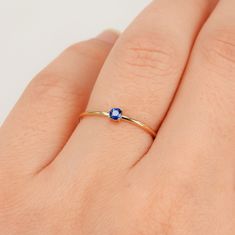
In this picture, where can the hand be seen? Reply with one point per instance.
(97, 177)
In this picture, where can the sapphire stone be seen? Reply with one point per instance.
(115, 114)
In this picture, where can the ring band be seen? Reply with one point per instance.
(115, 114)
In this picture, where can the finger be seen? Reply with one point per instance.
(43, 119)
(140, 76)
(200, 128)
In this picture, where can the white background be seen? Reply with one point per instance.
(33, 32)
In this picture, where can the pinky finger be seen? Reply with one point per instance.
(48, 111)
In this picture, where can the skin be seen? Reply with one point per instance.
(174, 69)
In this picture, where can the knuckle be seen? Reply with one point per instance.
(60, 84)
(147, 56)
(52, 86)
(218, 48)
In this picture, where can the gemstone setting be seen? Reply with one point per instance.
(115, 114)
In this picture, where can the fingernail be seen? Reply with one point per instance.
(109, 36)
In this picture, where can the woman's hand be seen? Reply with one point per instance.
(97, 177)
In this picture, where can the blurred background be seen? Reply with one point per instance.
(33, 32)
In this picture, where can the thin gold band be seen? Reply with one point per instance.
(124, 118)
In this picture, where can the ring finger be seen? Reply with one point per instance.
(141, 77)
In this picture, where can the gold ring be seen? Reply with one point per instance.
(115, 114)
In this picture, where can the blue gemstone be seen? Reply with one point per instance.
(115, 114)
